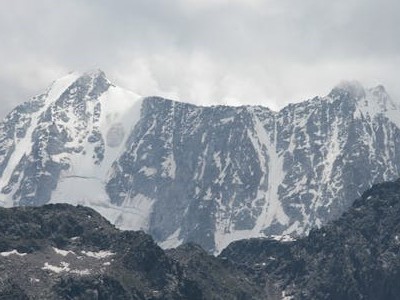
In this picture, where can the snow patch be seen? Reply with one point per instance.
(285, 296)
(172, 241)
(13, 252)
(98, 255)
(148, 172)
(208, 195)
(63, 252)
(64, 267)
(283, 238)
(227, 120)
(81, 272)
(274, 175)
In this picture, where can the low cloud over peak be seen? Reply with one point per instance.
(223, 52)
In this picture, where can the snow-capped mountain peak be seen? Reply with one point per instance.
(189, 173)
(76, 129)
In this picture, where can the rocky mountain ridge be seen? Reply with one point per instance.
(59, 251)
(185, 173)
(65, 252)
(354, 257)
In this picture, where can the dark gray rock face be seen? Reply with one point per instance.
(224, 173)
(206, 170)
(354, 257)
(65, 252)
(209, 175)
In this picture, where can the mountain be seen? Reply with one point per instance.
(58, 251)
(186, 173)
(354, 257)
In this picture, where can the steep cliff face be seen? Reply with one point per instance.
(210, 175)
(217, 174)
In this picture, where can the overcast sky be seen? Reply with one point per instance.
(268, 52)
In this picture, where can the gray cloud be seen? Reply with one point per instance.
(268, 52)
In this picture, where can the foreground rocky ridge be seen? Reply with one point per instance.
(186, 173)
(355, 257)
(65, 252)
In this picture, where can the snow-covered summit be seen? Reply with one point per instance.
(76, 129)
